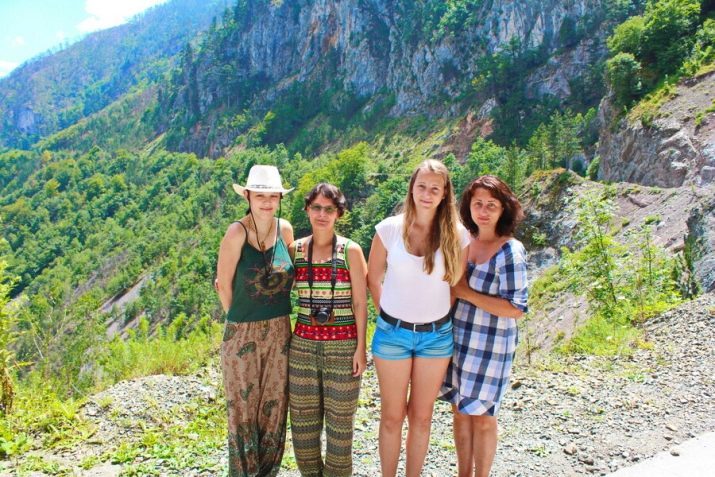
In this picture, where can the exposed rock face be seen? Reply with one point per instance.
(702, 228)
(550, 204)
(377, 47)
(678, 148)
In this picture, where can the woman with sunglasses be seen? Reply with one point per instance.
(254, 279)
(327, 351)
(418, 254)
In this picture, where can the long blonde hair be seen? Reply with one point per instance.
(444, 226)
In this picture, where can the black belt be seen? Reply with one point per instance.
(432, 326)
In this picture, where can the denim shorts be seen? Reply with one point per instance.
(395, 342)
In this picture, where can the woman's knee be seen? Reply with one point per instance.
(392, 420)
(484, 424)
(420, 419)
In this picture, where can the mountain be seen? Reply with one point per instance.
(117, 189)
(672, 146)
(339, 60)
(55, 90)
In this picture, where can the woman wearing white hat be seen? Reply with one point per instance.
(254, 279)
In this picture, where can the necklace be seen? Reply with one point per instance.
(267, 263)
(261, 243)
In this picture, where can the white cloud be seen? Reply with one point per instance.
(18, 41)
(6, 67)
(60, 35)
(104, 14)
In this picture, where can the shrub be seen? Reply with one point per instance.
(623, 72)
(627, 36)
(593, 168)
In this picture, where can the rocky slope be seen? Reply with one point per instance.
(562, 417)
(670, 146)
(674, 215)
(365, 52)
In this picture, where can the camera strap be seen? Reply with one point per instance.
(333, 274)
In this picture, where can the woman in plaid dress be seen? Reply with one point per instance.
(491, 296)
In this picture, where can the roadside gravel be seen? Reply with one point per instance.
(568, 416)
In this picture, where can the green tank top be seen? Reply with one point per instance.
(255, 296)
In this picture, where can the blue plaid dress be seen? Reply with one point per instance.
(484, 344)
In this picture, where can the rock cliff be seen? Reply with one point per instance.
(374, 48)
(670, 147)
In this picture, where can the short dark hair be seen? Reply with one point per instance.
(512, 212)
(329, 191)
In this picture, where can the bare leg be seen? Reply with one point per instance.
(463, 437)
(427, 378)
(393, 376)
(485, 443)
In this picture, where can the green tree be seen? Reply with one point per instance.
(485, 157)
(8, 337)
(667, 35)
(627, 37)
(597, 265)
(513, 169)
(624, 75)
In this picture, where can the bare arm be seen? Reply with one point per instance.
(291, 252)
(287, 234)
(358, 283)
(465, 254)
(491, 304)
(376, 269)
(228, 256)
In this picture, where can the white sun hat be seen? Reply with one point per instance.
(262, 179)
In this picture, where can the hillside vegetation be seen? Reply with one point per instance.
(104, 205)
(59, 88)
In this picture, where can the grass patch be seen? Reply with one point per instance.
(143, 354)
(43, 419)
(196, 435)
(701, 115)
(36, 463)
(602, 337)
(648, 109)
(547, 288)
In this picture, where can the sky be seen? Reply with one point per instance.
(31, 27)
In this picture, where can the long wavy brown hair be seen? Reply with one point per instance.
(444, 233)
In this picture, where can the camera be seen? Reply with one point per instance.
(322, 314)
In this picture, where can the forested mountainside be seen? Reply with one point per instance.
(111, 217)
(317, 66)
(55, 90)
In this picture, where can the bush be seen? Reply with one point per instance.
(627, 37)
(624, 75)
(166, 352)
(668, 33)
(593, 168)
(625, 283)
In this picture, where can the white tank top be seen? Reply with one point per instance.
(408, 292)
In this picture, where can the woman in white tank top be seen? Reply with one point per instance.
(414, 259)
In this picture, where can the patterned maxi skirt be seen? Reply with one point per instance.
(254, 359)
